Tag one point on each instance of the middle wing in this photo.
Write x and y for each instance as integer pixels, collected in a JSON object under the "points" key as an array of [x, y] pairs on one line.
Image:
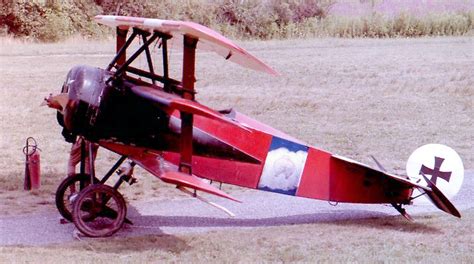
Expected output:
{"points": [[172, 102]]}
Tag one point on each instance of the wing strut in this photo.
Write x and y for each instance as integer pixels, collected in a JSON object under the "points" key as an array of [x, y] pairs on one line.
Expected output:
{"points": [[145, 45], [121, 42], [148, 58], [122, 47], [164, 47], [189, 58]]}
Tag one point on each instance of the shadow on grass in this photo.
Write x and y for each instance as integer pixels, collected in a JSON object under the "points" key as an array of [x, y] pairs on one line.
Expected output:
{"points": [[360, 218], [127, 240], [147, 231]]}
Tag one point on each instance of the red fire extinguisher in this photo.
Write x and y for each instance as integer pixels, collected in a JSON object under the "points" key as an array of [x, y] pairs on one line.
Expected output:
{"points": [[32, 164]]}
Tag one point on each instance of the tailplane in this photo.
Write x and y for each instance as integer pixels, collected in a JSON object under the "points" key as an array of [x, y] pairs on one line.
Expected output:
{"points": [[439, 200]]}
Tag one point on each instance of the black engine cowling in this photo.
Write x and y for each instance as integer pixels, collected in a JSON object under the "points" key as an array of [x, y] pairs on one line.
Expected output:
{"points": [[100, 107]]}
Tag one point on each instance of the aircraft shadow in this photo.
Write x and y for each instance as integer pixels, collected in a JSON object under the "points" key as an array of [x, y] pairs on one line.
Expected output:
{"points": [[155, 231], [359, 218]]}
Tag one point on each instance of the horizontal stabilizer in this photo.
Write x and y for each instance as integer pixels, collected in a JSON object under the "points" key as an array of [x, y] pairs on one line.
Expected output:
{"points": [[406, 181], [439, 199], [400, 179], [191, 181]]}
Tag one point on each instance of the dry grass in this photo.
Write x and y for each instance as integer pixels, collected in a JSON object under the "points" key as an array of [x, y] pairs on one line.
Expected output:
{"points": [[432, 239], [353, 97]]}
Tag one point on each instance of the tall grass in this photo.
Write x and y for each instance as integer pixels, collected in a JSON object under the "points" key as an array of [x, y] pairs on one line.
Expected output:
{"points": [[402, 25], [52, 20]]}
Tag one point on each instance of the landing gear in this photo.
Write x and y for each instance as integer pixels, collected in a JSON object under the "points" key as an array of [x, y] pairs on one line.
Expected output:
{"points": [[96, 209], [99, 211]]}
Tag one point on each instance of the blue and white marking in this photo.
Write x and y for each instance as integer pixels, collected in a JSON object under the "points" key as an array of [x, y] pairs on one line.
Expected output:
{"points": [[283, 167]]}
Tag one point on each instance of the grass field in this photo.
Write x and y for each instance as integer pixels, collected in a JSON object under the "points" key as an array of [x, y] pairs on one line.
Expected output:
{"points": [[355, 97]]}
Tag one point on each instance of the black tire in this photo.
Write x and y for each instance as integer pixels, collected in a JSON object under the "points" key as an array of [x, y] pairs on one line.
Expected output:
{"points": [[99, 211], [67, 192]]}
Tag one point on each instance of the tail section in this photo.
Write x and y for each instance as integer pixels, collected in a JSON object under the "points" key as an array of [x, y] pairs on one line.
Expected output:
{"points": [[439, 169], [439, 200]]}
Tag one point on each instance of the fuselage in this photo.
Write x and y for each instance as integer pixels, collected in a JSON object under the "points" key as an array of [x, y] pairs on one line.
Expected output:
{"points": [[103, 108]]}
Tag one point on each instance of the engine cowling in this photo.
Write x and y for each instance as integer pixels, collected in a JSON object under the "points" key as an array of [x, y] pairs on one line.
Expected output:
{"points": [[101, 109]]}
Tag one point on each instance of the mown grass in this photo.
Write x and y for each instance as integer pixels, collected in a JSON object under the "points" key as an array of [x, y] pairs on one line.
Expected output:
{"points": [[437, 238], [362, 97], [51, 21], [354, 97]]}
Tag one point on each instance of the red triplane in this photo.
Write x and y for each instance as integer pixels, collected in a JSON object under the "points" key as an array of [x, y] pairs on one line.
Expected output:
{"points": [[155, 122]]}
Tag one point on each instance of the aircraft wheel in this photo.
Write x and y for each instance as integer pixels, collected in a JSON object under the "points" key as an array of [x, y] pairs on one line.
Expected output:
{"points": [[68, 191], [99, 211]]}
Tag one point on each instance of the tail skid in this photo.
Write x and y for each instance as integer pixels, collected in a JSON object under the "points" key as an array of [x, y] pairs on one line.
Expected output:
{"points": [[431, 191], [402, 211]]}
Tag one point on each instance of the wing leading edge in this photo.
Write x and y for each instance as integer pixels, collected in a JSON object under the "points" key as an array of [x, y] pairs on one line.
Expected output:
{"points": [[209, 39]]}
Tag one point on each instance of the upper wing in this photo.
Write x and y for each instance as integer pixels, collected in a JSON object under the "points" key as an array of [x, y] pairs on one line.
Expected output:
{"points": [[209, 39]]}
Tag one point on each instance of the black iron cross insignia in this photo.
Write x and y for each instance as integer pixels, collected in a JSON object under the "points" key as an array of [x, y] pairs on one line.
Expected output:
{"points": [[436, 172]]}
